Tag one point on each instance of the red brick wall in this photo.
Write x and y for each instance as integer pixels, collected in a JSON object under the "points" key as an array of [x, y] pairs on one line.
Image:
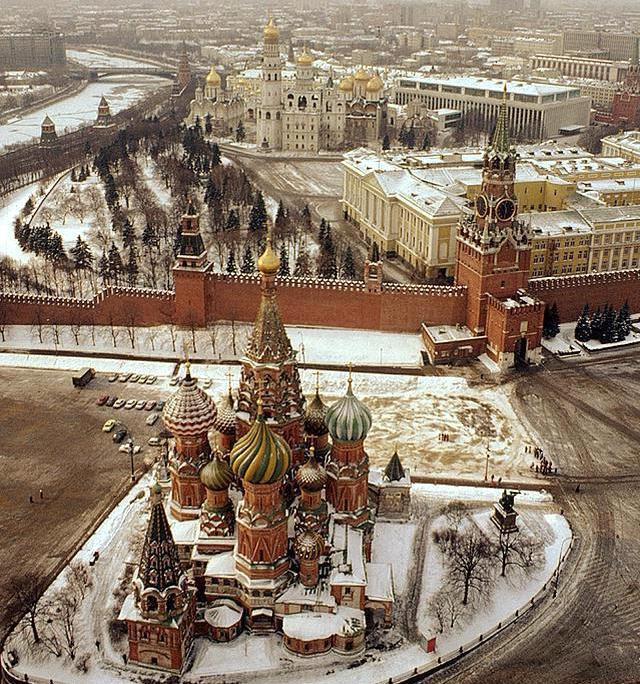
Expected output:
{"points": [[504, 325], [571, 293]]}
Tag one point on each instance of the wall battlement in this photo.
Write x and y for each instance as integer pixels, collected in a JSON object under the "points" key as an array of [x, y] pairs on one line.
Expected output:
{"points": [[582, 280]]}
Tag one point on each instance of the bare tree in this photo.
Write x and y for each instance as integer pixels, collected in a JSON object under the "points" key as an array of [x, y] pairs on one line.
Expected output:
{"points": [[213, 337], [174, 335], [79, 578], [131, 328], [76, 329], [152, 336], [4, 317], [115, 332], [27, 591], [445, 607], [38, 324], [192, 328], [66, 603], [519, 550], [468, 553]]}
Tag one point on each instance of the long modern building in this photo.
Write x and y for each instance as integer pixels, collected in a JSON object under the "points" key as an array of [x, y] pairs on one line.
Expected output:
{"points": [[33, 50], [608, 44], [536, 110], [582, 67]]}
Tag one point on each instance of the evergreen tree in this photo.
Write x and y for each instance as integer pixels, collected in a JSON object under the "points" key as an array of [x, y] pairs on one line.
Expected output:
{"points": [[103, 269], [81, 255], [128, 233], [258, 215], [375, 253], [132, 267], [149, 238], [386, 143], [231, 262], [348, 270], [583, 326], [74, 178], [208, 126], [302, 268], [306, 217], [607, 331], [216, 159], [115, 263], [284, 262], [281, 217], [426, 140], [248, 264], [322, 232], [240, 133], [232, 222], [596, 324], [410, 139], [625, 319], [551, 321]]}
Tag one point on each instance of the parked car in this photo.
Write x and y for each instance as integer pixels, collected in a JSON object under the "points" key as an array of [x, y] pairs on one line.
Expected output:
{"points": [[102, 400], [113, 378], [134, 378], [123, 377], [154, 441], [174, 381], [151, 419], [111, 400], [142, 379], [151, 379], [130, 404], [160, 405], [149, 405], [119, 435], [124, 448], [140, 404], [207, 383], [108, 426], [119, 403]]}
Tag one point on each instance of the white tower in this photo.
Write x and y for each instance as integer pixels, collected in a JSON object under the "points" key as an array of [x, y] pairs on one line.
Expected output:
{"points": [[269, 127]]}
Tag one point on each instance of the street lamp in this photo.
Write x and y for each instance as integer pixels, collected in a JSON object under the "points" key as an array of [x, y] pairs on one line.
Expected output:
{"points": [[486, 463], [557, 572]]}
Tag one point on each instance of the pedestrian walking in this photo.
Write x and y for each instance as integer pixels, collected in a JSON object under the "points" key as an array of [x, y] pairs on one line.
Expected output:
{"points": [[30, 498], [41, 495], [97, 644]]}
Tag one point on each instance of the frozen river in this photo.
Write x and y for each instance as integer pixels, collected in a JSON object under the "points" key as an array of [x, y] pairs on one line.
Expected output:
{"points": [[121, 91]]}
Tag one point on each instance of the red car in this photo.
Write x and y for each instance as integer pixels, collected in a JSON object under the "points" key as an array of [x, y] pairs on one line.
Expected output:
{"points": [[103, 400]]}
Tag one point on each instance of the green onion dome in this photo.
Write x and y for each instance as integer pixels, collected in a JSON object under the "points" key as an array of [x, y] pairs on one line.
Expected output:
{"points": [[260, 456], [226, 419], [216, 475], [315, 417], [308, 545], [311, 476], [190, 411], [348, 419]]}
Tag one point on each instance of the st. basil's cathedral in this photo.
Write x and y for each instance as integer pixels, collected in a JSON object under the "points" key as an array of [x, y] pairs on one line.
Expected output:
{"points": [[271, 529]]}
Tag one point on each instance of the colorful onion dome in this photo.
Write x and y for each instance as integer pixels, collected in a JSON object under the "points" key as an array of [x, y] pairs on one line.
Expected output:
{"points": [[226, 419], [348, 419], [269, 261], [271, 32], [375, 84], [216, 475], [346, 84], [308, 545], [311, 476], [260, 456], [362, 75], [190, 411], [305, 58], [315, 417], [213, 78]]}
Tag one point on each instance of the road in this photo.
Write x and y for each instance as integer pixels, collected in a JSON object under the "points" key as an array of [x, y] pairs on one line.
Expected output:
{"points": [[587, 421]]}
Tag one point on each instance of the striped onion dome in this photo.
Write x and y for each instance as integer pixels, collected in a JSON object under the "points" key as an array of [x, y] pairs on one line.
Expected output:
{"points": [[315, 417], [348, 419], [308, 545], [226, 419], [216, 475], [190, 411], [261, 456], [311, 476]]}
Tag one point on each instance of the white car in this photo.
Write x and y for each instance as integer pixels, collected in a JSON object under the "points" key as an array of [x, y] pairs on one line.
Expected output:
{"points": [[124, 448], [151, 419], [154, 441]]}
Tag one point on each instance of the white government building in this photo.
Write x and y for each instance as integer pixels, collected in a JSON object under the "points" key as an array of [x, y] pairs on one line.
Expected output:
{"points": [[538, 110]]}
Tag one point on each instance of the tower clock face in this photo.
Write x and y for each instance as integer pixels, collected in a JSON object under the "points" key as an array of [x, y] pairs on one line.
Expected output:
{"points": [[505, 210], [481, 206]]}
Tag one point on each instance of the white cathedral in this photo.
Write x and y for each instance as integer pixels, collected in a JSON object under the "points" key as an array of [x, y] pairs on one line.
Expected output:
{"points": [[312, 114], [223, 109]]}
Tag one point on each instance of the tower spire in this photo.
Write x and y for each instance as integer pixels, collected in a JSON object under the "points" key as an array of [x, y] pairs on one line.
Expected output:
{"points": [[501, 141]]}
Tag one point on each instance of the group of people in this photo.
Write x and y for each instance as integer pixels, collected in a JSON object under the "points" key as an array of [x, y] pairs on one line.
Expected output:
{"points": [[543, 465], [444, 437]]}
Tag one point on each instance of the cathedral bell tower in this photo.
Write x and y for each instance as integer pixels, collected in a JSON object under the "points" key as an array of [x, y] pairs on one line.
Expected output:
{"points": [[494, 247], [269, 125]]}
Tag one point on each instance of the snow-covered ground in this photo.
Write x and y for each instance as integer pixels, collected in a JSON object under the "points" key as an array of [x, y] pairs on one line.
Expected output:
{"points": [[10, 207], [564, 343]]}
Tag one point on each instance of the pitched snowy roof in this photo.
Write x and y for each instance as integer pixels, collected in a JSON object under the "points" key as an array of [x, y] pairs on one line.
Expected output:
{"points": [[379, 581]]}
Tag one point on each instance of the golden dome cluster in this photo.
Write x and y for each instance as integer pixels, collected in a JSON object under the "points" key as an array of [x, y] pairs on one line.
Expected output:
{"points": [[305, 58], [346, 85], [362, 75], [375, 84], [271, 32]]}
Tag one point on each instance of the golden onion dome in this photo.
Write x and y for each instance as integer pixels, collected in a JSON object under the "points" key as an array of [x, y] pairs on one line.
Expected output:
{"points": [[216, 475], [269, 261], [346, 85], [213, 78], [261, 456], [315, 417], [348, 420], [308, 545], [190, 411], [362, 75], [375, 84], [271, 32], [311, 476], [226, 419], [305, 58]]}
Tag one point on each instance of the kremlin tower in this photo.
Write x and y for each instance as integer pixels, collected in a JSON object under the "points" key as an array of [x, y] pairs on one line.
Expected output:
{"points": [[269, 125]]}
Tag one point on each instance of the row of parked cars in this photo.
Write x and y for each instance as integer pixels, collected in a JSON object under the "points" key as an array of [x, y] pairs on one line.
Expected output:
{"points": [[120, 432], [133, 377], [206, 383]]}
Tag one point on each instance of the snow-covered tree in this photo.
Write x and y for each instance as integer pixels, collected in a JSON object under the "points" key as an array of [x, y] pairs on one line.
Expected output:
{"points": [[582, 332]]}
